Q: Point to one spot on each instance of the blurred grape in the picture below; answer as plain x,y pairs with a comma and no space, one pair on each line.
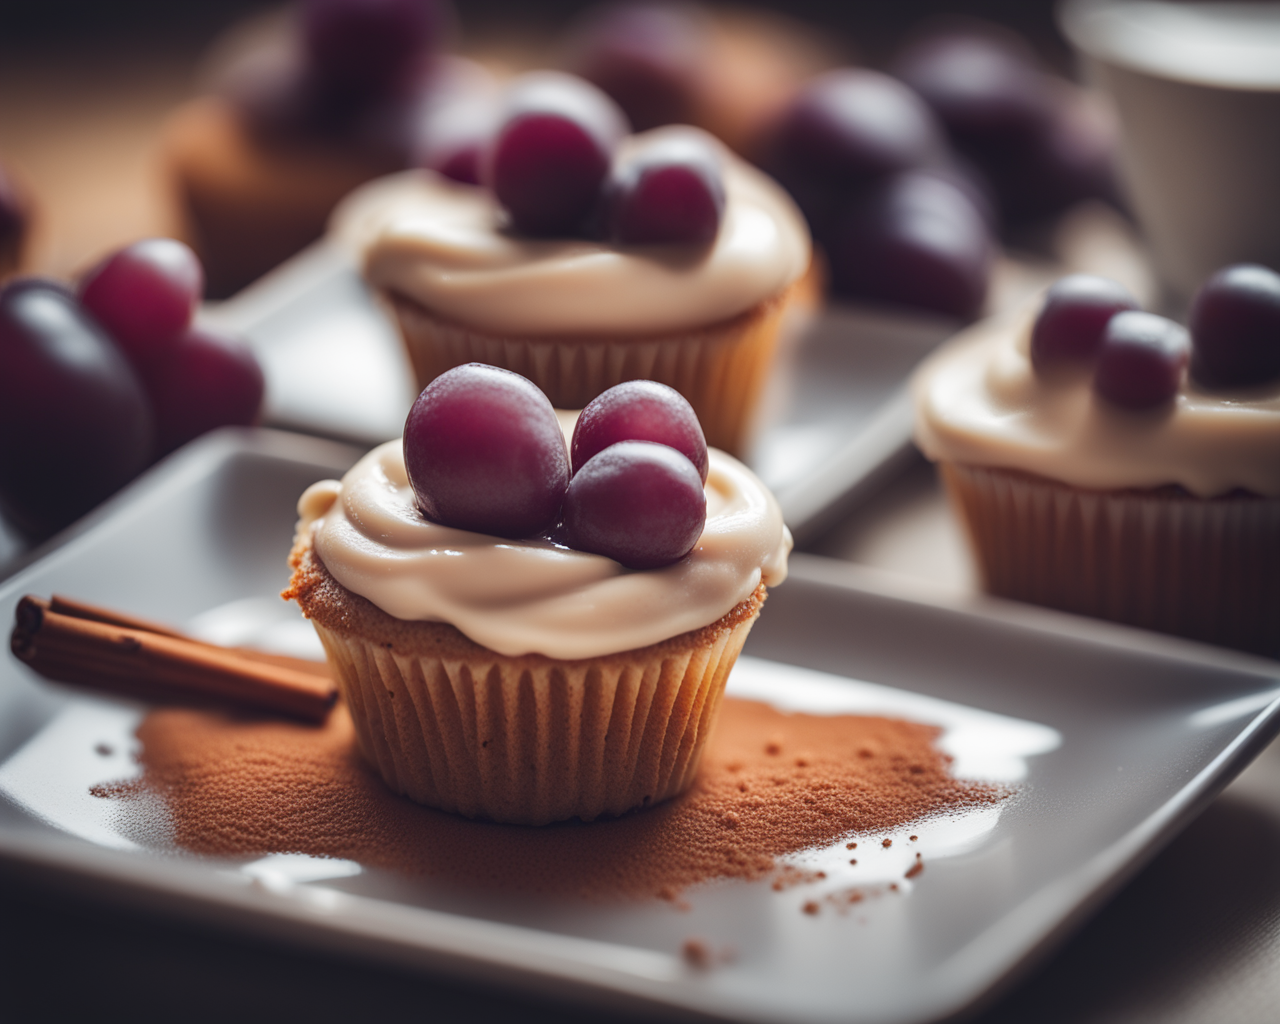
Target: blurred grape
15,221
75,424
1235,327
1071,322
669,192
1141,360
647,57
552,151
914,240
144,295
202,381
369,47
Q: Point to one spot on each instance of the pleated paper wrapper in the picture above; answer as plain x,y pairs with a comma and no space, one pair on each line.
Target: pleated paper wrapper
721,369
536,740
1208,569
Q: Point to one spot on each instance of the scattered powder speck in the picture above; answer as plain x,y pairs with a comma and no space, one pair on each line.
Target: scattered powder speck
772,784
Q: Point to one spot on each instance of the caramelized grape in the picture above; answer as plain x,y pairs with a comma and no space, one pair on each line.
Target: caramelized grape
552,152
671,191
202,381
144,295
74,422
647,57
640,410
637,502
484,452
1141,360
1235,327
1074,316
915,240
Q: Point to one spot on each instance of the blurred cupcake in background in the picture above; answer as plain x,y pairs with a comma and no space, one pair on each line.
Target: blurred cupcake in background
302,108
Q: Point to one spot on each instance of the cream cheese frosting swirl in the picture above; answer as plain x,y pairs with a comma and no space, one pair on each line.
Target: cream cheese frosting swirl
980,403
443,245
531,596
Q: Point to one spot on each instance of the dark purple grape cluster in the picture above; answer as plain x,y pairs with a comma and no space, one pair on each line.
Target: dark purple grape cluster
868,163
1031,136
98,384
484,452
1139,359
555,166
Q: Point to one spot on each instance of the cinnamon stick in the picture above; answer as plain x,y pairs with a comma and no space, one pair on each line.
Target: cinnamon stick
161,666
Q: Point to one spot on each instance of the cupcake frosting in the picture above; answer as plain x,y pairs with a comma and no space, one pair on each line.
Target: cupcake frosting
444,245
532,596
979,402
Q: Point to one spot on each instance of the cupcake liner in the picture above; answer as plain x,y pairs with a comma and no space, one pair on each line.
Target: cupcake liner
720,369
1208,569
534,740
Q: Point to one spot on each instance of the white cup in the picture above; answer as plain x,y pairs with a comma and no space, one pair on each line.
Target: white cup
1196,88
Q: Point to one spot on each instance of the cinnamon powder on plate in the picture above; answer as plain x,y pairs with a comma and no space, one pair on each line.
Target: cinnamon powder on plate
771,784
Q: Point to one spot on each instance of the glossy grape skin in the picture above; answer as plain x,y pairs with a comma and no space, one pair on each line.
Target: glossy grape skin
640,410
915,240
844,130
647,57
75,424
1235,327
369,47
202,381
552,150
1071,322
144,295
484,452
669,192
1141,360
639,503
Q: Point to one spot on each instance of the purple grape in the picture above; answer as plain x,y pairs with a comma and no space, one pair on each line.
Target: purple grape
74,421
1074,315
849,127
640,410
915,240
1235,327
671,191
457,120
647,57
984,88
637,502
15,221
552,152
1141,360
144,295
369,47
484,452
201,382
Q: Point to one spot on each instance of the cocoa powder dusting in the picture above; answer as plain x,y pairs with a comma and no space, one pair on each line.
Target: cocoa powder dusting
247,787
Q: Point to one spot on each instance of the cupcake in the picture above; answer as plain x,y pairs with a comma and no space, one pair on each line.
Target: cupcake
592,259
1095,474
301,109
566,655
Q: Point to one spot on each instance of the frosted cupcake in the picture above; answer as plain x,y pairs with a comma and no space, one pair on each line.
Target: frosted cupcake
593,258
1093,473
533,680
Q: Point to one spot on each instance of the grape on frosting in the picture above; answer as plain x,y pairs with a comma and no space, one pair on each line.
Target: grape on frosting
640,410
1141,359
670,191
1235,327
1073,317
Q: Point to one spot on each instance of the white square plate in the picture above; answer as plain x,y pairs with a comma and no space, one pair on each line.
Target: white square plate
1115,738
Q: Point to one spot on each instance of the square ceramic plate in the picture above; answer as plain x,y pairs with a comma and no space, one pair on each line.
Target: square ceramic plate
1114,739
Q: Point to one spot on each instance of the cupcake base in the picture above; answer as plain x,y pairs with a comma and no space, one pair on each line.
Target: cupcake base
720,369
523,740
1208,569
